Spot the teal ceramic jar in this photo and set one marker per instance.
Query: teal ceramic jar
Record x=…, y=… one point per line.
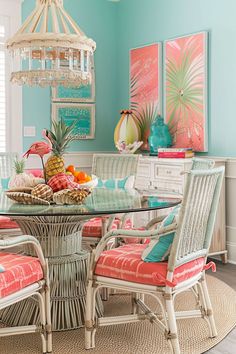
x=159, y=136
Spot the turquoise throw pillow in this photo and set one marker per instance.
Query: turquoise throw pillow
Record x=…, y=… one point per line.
x=158, y=250
x=116, y=183
x=2, y=269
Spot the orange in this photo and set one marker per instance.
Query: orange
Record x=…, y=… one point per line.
x=71, y=168
x=81, y=176
x=76, y=173
x=88, y=179
x=81, y=181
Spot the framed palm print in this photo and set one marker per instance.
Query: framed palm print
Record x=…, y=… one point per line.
x=81, y=113
x=186, y=90
x=145, y=86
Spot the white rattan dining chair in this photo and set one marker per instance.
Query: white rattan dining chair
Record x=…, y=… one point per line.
x=107, y=166
x=22, y=277
x=7, y=226
x=7, y=163
x=185, y=268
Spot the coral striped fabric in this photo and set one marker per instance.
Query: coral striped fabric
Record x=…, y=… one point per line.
x=93, y=227
x=125, y=263
x=7, y=223
x=20, y=271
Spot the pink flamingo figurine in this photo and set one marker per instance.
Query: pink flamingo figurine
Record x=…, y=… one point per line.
x=40, y=148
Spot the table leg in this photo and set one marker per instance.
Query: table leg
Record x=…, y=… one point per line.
x=60, y=238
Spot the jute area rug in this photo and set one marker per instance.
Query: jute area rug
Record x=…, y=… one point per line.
x=142, y=337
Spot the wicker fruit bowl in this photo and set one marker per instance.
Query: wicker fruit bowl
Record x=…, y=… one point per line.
x=91, y=184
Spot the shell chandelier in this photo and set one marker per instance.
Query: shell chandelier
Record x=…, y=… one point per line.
x=50, y=49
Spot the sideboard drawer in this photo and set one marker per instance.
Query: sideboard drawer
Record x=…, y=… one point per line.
x=168, y=185
x=142, y=183
x=144, y=170
x=164, y=171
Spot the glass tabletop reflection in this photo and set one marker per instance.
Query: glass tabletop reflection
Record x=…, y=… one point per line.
x=100, y=202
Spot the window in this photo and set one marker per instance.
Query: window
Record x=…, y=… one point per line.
x=10, y=95
x=2, y=87
x=3, y=73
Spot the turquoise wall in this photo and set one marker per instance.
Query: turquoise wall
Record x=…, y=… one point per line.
x=117, y=27
x=97, y=20
x=143, y=22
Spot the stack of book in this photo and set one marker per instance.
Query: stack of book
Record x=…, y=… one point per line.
x=175, y=153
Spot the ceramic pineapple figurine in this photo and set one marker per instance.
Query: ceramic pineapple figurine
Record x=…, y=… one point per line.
x=60, y=137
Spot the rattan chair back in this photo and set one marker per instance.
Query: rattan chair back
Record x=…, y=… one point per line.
x=7, y=164
x=197, y=216
x=114, y=165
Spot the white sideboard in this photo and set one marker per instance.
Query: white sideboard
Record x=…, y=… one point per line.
x=168, y=176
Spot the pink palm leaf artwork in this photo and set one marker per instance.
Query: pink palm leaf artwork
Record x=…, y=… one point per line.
x=186, y=90
x=145, y=86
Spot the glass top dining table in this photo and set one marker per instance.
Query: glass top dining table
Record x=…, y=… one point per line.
x=59, y=229
x=99, y=202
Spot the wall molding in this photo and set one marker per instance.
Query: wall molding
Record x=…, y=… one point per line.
x=81, y=160
x=230, y=178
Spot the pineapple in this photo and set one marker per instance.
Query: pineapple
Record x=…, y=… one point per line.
x=19, y=166
x=60, y=137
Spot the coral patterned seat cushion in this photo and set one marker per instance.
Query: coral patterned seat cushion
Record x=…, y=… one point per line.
x=19, y=272
x=93, y=227
x=7, y=223
x=125, y=263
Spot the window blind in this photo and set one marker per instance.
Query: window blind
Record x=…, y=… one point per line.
x=3, y=89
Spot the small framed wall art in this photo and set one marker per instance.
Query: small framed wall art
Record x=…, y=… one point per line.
x=186, y=90
x=81, y=113
x=84, y=93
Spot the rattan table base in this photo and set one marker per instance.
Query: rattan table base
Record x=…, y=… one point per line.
x=60, y=238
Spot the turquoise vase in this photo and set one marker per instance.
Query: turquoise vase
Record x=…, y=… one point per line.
x=160, y=136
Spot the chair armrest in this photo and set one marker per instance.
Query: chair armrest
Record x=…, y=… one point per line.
x=130, y=234
x=23, y=240
x=155, y=221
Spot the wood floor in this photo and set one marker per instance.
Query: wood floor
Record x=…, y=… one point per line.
x=226, y=273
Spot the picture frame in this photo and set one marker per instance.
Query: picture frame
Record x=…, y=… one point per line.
x=84, y=93
x=145, y=91
x=186, y=96
x=83, y=113
x=146, y=85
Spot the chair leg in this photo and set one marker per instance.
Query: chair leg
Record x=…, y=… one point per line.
x=209, y=310
x=42, y=314
x=172, y=335
x=135, y=307
x=90, y=317
x=105, y=292
x=48, y=320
